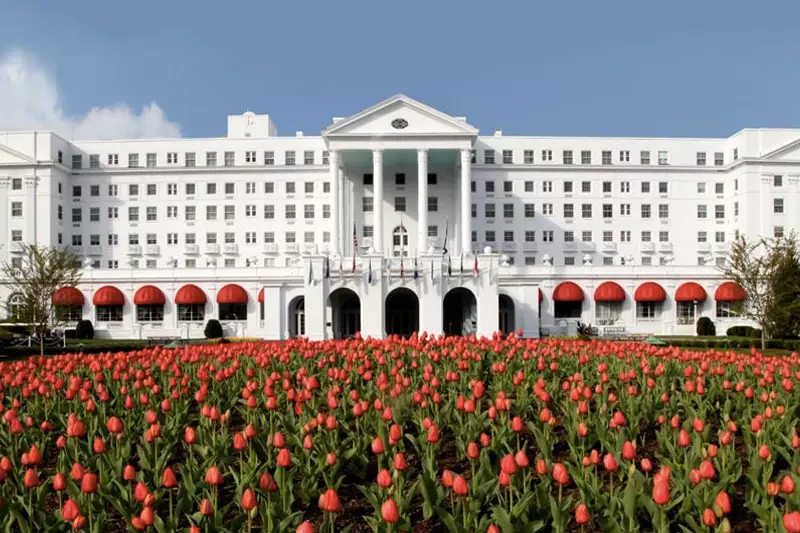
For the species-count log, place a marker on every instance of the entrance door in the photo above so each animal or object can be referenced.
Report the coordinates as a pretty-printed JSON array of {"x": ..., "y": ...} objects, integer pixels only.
[{"x": 402, "y": 312}]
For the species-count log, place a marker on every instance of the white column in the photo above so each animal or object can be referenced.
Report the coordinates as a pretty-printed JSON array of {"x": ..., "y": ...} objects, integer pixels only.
[
  {"x": 422, "y": 201},
  {"x": 765, "y": 209},
  {"x": 30, "y": 211},
  {"x": 466, "y": 200},
  {"x": 5, "y": 235},
  {"x": 377, "y": 215},
  {"x": 335, "y": 210}
]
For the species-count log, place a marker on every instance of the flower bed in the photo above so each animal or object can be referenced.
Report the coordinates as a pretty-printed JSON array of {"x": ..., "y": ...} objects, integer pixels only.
[{"x": 423, "y": 434}]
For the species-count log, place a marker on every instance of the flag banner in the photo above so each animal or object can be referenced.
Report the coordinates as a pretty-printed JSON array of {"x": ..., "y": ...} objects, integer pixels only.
[
  {"x": 475, "y": 270},
  {"x": 355, "y": 247},
  {"x": 402, "y": 268},
  {"x": 341, "y": 269},
  {"x": 446, "y": 229},
  {"x": 449, "y": 268},
  {"x": 416, "y": 272},
  {"x": 369, "y": 275},
  {"x": 310, "y": 273},
  {"x": 433, "y": 279},
  {"x": 327, "y": 266},
  {"x": 388, "y": 270}
]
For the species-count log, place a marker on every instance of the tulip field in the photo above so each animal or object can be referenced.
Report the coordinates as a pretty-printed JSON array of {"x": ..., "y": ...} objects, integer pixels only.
[{"x": 422, "y": 434}]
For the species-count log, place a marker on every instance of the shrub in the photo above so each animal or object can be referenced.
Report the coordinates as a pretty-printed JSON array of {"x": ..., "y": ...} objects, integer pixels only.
[
  {"x": 705, "y": 327},
  {"x": 743, "y": 331},
  {"x": 84, "y": 329},
  {"x": 213, "y": 329}
]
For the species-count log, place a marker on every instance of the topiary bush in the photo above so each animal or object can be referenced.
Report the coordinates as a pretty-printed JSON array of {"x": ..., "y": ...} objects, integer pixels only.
[
  {"x": 705, "y": 327},
  {"x": 84, "y": 329},
  {"x": 213, "y": 329},
  {"x": 743, "y": 331}
]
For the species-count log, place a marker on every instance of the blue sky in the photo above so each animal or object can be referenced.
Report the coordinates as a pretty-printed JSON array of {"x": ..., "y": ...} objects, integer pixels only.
[{"x": 699, "y": 68}]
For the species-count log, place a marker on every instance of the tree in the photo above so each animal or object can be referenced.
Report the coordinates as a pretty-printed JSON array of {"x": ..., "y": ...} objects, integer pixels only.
[
  {"x": 43, "y": 271},
  {"x": 769, "y": 273}
]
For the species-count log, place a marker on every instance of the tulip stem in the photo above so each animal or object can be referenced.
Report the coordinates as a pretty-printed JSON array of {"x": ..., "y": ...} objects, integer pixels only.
[{"x": 170, "y": 509}]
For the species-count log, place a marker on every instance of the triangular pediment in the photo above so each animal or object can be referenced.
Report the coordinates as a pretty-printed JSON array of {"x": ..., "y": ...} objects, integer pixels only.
[
  {"x": 9, "y": 156},
  {"x": 787, "y": 152},
  {"x": 400, "y": 116}
]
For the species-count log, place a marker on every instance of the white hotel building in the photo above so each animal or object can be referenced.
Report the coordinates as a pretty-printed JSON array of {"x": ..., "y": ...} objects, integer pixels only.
[{"x": 257, "y": 229}]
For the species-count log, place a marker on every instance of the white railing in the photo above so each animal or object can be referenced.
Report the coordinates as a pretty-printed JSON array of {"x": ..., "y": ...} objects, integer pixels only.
[
  {"x": 152, "y": 249},
  {"x": 134, "y": 249},
  {"x": 94, "y": 250},
  {"x": 212, "y": 249},
  {"x": 665, "y": 247},
  {"x": 270, "y": 248},
  {"x": 230, "y": 248},
  {"x": 191, "y": 249},
  {"x": 648, "y": 247},
  {"x": 529, "y": 246},
  {"x": 609, "y": 247}
]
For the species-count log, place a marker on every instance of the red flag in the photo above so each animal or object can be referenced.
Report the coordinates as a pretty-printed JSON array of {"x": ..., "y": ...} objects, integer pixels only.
[{"x": 475, "y": 270}]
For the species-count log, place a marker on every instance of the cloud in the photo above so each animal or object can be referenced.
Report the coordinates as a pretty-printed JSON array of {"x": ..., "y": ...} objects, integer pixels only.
[{"x": 29, "y": 99}]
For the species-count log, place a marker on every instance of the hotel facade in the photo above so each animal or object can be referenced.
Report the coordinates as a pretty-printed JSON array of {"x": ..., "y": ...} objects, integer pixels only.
[{"x": 397, "y": 219}]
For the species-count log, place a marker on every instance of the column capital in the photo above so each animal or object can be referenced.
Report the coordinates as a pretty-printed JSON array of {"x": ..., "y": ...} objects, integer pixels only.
[
  {"x": 466, "y": 154},
  {"x": 377, "y": 151},
  {"x": 422, "y": 154}
]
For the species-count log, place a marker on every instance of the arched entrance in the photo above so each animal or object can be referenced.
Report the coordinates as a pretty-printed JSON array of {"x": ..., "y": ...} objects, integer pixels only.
[
  {"x": 400, "y": 242},
  {"x": 402, "y": 312},
  {"x": 460, "y": 312},
  {"x": 297, "y": 317},
  {"x": 506, "y": 318},
  {"x": 345, "y": 313}
]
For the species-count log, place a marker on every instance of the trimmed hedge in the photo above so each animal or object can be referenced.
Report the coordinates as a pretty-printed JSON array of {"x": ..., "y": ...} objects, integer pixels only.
[
  {"x": 743, "y": 331},
  {"x": 723, "y": 343},
  {"x": 705, "y": 327},
  {"x": 13, "y": 352}
]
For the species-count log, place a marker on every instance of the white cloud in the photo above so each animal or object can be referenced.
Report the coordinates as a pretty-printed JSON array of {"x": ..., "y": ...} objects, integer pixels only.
[{"x": 29, "y": 99}]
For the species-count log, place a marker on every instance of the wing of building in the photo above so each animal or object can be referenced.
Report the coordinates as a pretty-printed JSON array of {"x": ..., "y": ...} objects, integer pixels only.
[{"x": 400, "y": 218}]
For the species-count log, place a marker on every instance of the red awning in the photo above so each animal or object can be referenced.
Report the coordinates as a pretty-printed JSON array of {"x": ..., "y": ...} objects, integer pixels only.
[
  {"x": 149, "y": 295},
  {"x": 690, "y": 292},
  {"x": 609, "y": 292},
  {"x": 190, "y": 295},
  {"x": 261, "y": 296},
  {"x": 68, "y": 297},
  {"x": 108, "y": 295},
  {"x": 568, "y": 292},
  {"x": 232, "y": 294},
  {"x": 650, "y": 292},
  {"x": 729, "y": 292}
]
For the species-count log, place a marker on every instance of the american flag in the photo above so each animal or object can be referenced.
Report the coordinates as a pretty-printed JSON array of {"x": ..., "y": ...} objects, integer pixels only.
[{"x": 355, "y": 246}]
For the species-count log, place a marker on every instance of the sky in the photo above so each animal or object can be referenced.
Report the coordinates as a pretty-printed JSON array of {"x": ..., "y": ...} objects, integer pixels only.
[{"x": 100, "y": 69}]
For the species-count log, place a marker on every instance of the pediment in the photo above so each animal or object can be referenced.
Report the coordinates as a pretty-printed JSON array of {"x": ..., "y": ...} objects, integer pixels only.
[
  {"x": 400, "y": 116},
  {"x": 9, "y": 156},
  {"x": 787, "y": 152}
]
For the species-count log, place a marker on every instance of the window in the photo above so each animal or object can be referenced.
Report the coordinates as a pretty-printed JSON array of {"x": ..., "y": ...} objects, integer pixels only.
[
  {"x": 432, "y": 178},
  {"x": 701, "y": 159},
  {"x": 250, "y": 211},
  {"x": 607, "y": 261},
  {"x": 648, "y": 310},
  {"x": 645, "y": 187},
  {"x": 77, "y": 162},
  {"x": 647, "y": 260},
  {"x": 60, "y": 211},
  {"x": 530, "y": 210},
  {"x": 777, "y": 206},
  {"x": 530, "y": 260},
  {"x": 663, "y": 210},
  {"x": 77, "y": 212},
  {"x": 211, "y": 212},
  {"x": 94, "y": 214},
  {"x": 663, "y": 236},
  {"x": 189, "y": 159},
  {"x": 568, "y": 309},
  {"x": 367, "y": 204},
  {"x": 250, "y": 156},
  {"x": 719, "y": 212},
  {"x": 569, "y": 211},
  {"x": 250, "y": 237},
  {"x": 308, "y": 211},
  {"x": 269, "y": 212},
  {"x": 309, "y": 187},
  {"x": 211, "y": 159},
  {"x": 191, "y": 188},
  {"x": 151, "y": 189},
  {"x": 489, "y": 186},
  {"x": 625, "y": 187},
  {"x": 230, "y": 237},
  {"x": 567, "y": 187},
  {"x": 76, "y": 190},
  {"x": 624, "y": 156},
  {"x": 566, "y": 156},
  {"x": 663, "y": 157},
  {"x": 586, "y": 157},
  {"x": 77, "y": 240},
  {"x": 230, "y": 159},
  {"x": 150, "y": 160},
  {"x": 113, "y": 159},
  {"x": 16, "y": 211},
  {"x": 662, "y": 187},
  {"x": 719, "y": 159},
  {"x": 569, "y": 236},
  {"x": 94, "y": 161},
  {"x": 290, "y": 187},
  {"x": 644, "y": 157},
  {"x": 508, "y": 236},
  {"x": 151, "y": 238},
  {"x": 433, "y": 204},
  {"x": 133, "y": 189},
  {"x": 269, "y": 187},
  {"x": 508, "y": 186},
  {"x": 308, "y": 157},
  {"x": 547, "y": 235},
  {"x": 172, "y": 158},
  {"x": 488, "y": 157},
  {"x": 530, "y": 236},
  {"x": 625, "y": 236},
  {"x": 735, "y": 154},
  {"x": 729, "y": 309},
  {"x": 289, "y": 212},
  {"x": 150, "y": 313},
  {"x": 133, "y": 239},
  {"x": 777, "y": 232},
  {"x": 719, "y": 236},
  {"x": 606, "y": 157},
  {"x": 685, "y": 312},
  {"x": 625, "y": 209},
  {"x": 113, "y": 213},
  {"x": 211, "y": 238},
  {"x": 172, "y": 238},
  {"x": 16, "y": 235},
  {"x": 527, "y": 157},
  {"x": 736, "y": 209},
  {"x": 109, "y": 313},
  {"x": 230, "y": 212},
  {"x": 367, "y": 179},
  {"x": 719, "y": 188},
  {"x": 211, "y": 188},
  {"x": 547, "y": 155},
  {"x": 606, "y": 187},
  {"x": 368, "y": 232},
  {"x": 326, "y": 186},
  {"x": 702, "y": 211},
  {"x": 113, "y": 263},
  {"x": 528, "y": 186},
  {"x": 190, "y": 212},
  {"x": 489, "y": 236},
  {"x": 488, "y": 210},
  {"x": 701, "y": 187},
  {"x": 777, "y": 181},
  {"x": 326, "y": 157},
  {"x": 608, "y": 236},
  {"x": 586, "y": 210},
  {"x": 190, "y": 238},
  {"x": 586, "y": 186},
  {"x": 230, "y": 188},
  {"x": 289, "y": 158},
  {"x": 508, "y": 157},
  {"x": 608, "y": 210},
  {"x": 646, "y": 213},
  {"x": 326, "y": 211},
  {"x": 547, "y": 186},
  {"x": 508, "y": 210},
  {"x": 133, "y": 160},
  {"x": 547, "y": 209},
  {"x": 647, "y": 236},
  {"x": 586, "y": 236}
]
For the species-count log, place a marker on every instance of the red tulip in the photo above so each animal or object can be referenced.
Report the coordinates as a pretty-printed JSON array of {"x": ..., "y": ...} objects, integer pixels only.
[
  {"x": 610, "y": 462},
  {"x": 709, "y": 518},
  {"x": 329, "y": 502},
  {"x": 460, "y": 486},
  {"x": 764, "y": 453},
  {"x": 384, "y": 479},
  {"x": 70, "y": 510},
  {"x": 377, "y": 446},
  {"x": 99, "y": 446},
  {"x": 213, "y": 476},
  {"x": 249, "y": 500},
  {"x": 400, "y": 462},
  {"x": 59, "y": 482},
  {"x": 629, "y": 451},
  {"x": 560, "y": 474},
  {"x": 129, "y": 473},
  {"x": 284, "y": 459},
  {"x": 305, "y": 527},
  {"x": 787, "y": 484},
  {"x": 791, "y": 521},
  {"x": 389, "y": 511},
  {"x": 661, "y": 492},
  {"x": 723, "y": 502},
  {"x": 147, "y": 516},
  {"x": 206, "y": 509},
  {"x": 581, "y": 514},
  {"x": 89, "y": 483},
  {"x": 114, "y": 426},
  {"x": 31, "y": 479},
  {"x": 707, "y": 470},
  {"x": 508, "y": 465},
  {"x": 168, "y": 479}
]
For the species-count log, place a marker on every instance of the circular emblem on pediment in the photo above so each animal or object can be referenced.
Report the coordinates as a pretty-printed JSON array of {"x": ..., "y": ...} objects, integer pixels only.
[{"x": 399, "y": 123}]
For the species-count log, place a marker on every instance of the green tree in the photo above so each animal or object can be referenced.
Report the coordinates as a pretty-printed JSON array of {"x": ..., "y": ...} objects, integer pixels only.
[
  {"x": 769, "y": 272},
  {"x": 43, "y": 271}
]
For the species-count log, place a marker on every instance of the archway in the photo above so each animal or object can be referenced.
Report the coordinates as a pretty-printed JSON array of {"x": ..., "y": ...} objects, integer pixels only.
[
  {"x": 402, "y": 312},
  {"x": 506, "y": 315},
  {"x": 460, "y": 312},
  {"x": 345, "y": 313},
  {"x": 297, "y": 317},
  {"x": 400, "y": 242}
]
